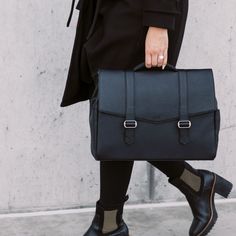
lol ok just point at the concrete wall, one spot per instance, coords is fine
(45, 160)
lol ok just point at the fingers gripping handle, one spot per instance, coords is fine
(142, 66)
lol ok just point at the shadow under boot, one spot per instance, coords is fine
(199, 187)
(108, 221)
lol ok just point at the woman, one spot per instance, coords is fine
(120, 34)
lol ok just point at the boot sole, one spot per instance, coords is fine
(222, 187)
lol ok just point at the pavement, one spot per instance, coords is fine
(144, 220)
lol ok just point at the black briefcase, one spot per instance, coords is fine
(154, 114)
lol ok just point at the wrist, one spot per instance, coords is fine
(157, 28)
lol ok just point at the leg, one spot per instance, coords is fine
(181, 169)
(114, 182)
(171, 168)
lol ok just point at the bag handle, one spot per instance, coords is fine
(141, 66)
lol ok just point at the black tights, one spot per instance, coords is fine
(115, 177)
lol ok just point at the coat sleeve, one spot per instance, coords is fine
(161, 13)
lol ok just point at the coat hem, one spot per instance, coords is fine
(73, 101)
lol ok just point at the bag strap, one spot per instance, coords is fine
(71, 13)
(130, 123)
(184, 123)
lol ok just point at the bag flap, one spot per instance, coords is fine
(156, 93)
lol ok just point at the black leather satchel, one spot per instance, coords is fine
(154, 114)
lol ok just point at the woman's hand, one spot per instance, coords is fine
(156, 45)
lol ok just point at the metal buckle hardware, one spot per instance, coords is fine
(130, 123)
(184, 124)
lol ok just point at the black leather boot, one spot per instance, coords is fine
(202, 201)
(100, 228)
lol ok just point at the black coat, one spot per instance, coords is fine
(111, 34)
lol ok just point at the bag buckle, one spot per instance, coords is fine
(130, 123)
(184, 124)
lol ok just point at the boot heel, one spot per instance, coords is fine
(223, 186)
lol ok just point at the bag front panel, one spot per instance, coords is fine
(156, 140)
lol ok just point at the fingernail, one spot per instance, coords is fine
(163, 66)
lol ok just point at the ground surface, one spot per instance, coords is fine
(164, 221)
